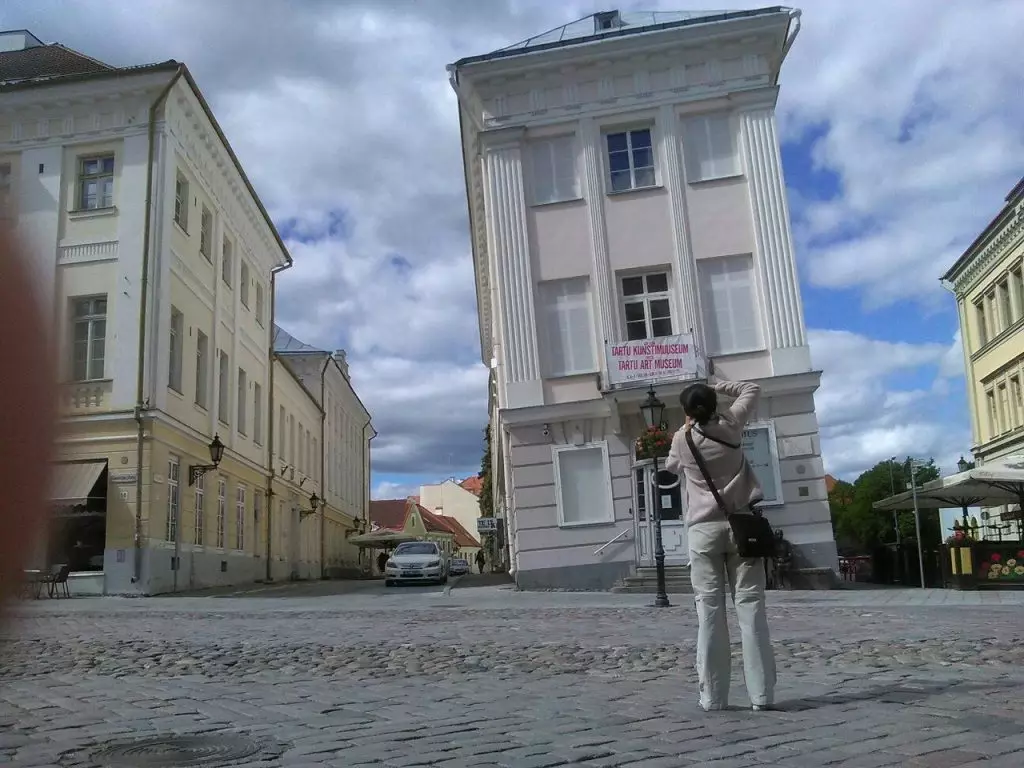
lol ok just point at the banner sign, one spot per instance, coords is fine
(668, 357)
(486, 524)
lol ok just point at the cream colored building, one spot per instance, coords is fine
(451, 501)
(630, 228)
(988, 283)
(342, 435)
(161, 261)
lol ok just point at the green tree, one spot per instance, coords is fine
(486, 482)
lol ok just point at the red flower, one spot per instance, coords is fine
(996, 557)
(1021, 553)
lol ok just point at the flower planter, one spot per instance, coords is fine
(653, 443)
(961, 562)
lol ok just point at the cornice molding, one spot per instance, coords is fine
(997, 249)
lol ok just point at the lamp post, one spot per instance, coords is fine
(653, 411)
(314, 503)
(895, 512)
(963, 465)
(914, 466)
(195, 471)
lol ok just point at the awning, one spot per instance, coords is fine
(381, 539)
(75, 482)
(992, 485)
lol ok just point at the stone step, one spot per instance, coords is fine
(645, 580)
(671, 588)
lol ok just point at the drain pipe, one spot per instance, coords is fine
(270, 421)
(323, 462)
(366, 486)
(141, 404)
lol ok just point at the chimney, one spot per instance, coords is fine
(342, 360)
(605, 21)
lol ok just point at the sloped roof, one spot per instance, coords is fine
(463, 538)
(433, 522)
(473, 484)
(389, 513)
(46, 61)
(285, 342)
(587, 29)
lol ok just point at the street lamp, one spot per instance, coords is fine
(895, 513)
(195, 471)
(314, 503)
(914, 466)
(963, 465)
(653, 411)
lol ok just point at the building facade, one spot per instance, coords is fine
(160, 262)
(342, 439)
(988, 284)
(460, 509)
(630, 228)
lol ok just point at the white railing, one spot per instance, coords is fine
(603, 547)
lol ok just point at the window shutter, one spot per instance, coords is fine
(721, 146)
(569, 327)
(564, 162)
(729, 310)
(542, 165)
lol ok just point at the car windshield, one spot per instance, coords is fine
(416, 548)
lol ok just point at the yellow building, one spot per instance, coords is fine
(988, 283)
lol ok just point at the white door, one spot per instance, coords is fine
(673, 515)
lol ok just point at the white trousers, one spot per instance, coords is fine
(714, 564)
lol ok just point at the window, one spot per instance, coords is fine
(993, 413)
(568, 325)
(300, 450)
(223, 395)
(96, 183)
(181, 202)
(292, 442)
(1017, 286)
(240, 517)
(225, 262)
(259, 304)
(729, 310)
(177, 340)
(222, 493)
(280, 432)
(1005, 305)
(710, 147)
(979, 308)
(1018, 399)
(1005, 419)
(243, 284)
(631, 160)
(206, 233)
(317, 462)
(583, 485)
(173, 474)
(202, 369)
(553, 163)
(257, 414)
(89, 337)
(647, 306)
(243, 399)
(992, 314)
(6, 185)
(200, 517)
(257, 509)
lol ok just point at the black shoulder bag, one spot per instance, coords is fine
(752, 531)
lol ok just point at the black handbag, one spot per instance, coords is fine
(752, 531)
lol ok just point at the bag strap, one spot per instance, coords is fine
(720, 441)
(703, 467)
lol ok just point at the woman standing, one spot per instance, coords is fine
(714, 558)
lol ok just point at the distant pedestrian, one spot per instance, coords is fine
(480, 559)
(382, 560)
(714, 557)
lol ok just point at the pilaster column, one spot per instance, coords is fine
(509, 254)
(683, 264)
(774, 241)
(593, 189)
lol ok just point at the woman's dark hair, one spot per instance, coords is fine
(700, 402)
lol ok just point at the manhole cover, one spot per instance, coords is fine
(211, 749)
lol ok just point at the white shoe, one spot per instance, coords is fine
(711, 707)
(761, 707)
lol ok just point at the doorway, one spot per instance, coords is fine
(673, 515)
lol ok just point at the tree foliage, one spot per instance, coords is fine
(860, 528)
(486, 482)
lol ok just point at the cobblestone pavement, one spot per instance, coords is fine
(491, 677)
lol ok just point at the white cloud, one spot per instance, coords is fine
(389, 490)
(342, 115)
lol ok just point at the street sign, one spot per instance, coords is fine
(486, 524)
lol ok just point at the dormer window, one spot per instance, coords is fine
(606, 20)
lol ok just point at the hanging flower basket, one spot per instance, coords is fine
(960, 538)
(654, 442)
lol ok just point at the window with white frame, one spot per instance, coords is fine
(710, 147)
(568, 325)
(6, 187)
(96, 182)
(223, 393)
(647, 306)
(206, 234)
(1005, 304)
(243, 400)
(583, 484)
(173, 498)
(300, 451)
(553, 166)
(281, 424)
(259, 304)
(728, 305)
(199, 522)
(222, 494)
(243, 283)
(226, 261)
(177, 340)
(1017, 286)
(983, 333)
(630, 159)
(240, 517)
(202, 369)
(181, 202)
(1017, 400)
(317, 462)
(993, 414)
(1005, 414)
(257, 413)
(89, 338)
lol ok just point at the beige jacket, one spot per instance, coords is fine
(735, 479)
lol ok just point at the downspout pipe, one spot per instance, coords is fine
(270, 420)
(366, 468)
(141, 404)
(323, 463)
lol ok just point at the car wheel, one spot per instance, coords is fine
(388, 583)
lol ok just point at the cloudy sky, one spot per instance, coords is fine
(901, 122)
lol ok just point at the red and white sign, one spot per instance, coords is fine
(668, 357)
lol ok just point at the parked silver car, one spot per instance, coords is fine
(416, 562)
(459, 566)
